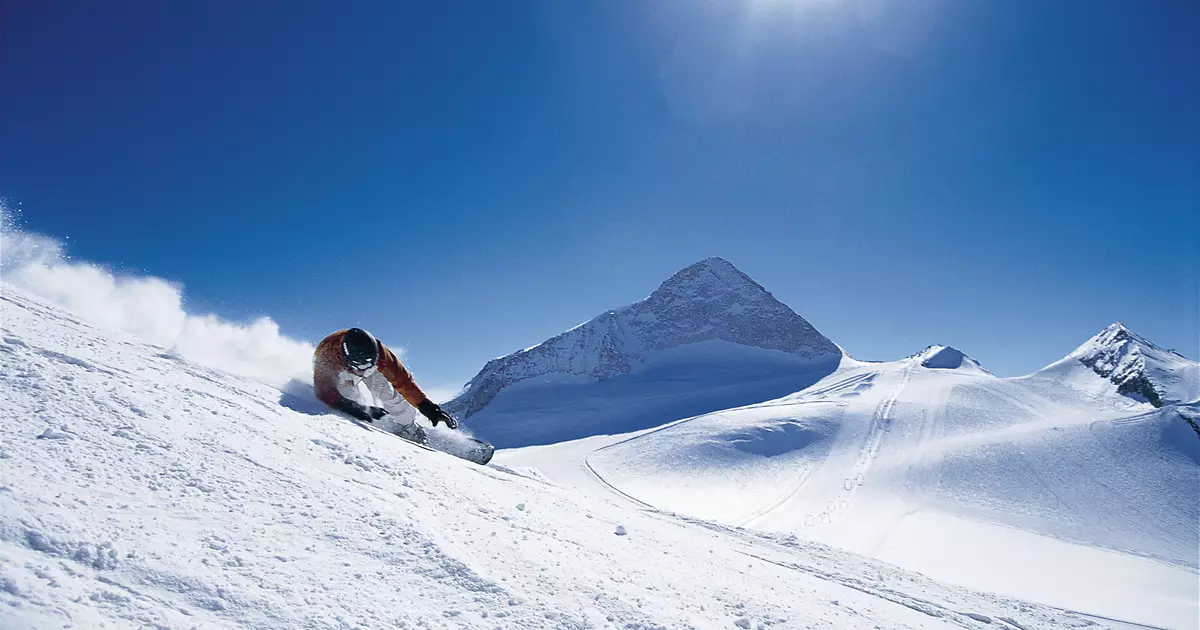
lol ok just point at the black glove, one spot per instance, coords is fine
(366, 414)
(431, 410)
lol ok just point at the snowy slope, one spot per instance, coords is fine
(708, 338)
(1083, 499)
(141, 490)
(1119, 358)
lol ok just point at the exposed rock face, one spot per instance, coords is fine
(1136, 366)
(710, 300)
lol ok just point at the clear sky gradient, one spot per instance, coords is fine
(469, 178)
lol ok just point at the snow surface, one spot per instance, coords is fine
(1032, 487)
(139, 489)
(710, 303)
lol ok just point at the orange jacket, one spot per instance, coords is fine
(328, 364)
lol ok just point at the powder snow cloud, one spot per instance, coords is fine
(149, 308)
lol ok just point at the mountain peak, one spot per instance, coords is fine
(1116, 333)
(1140, 369)
(715, 262)
(707, 301)
(940, 357)
(709, 277)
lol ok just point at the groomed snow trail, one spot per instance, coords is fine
(839, 484)
(140, 490)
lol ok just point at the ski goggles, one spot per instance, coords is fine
(360, 367)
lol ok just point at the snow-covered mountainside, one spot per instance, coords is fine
(1138, 368)
(947, 358)
(140, 490)
(1029, 486)
(708, 337)
(710, 300)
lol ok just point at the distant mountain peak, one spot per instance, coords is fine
(1117, 332)
(710, 300)
(712, 262)
(1116, 335)
(715, 265)
(709, 277)
(1139, 368)
(948, 358)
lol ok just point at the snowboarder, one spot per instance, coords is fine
(349, 359)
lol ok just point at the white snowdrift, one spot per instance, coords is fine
(140, 489)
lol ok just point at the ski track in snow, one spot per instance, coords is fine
(857, 477)
(139, 490)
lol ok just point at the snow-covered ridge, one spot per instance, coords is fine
(948, 358)
(709, 300)
(1138, 368)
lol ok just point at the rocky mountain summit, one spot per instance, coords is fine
(711, 300)
(1139, 369)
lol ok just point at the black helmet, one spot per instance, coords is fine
(360, 351)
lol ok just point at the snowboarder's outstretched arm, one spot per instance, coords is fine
(400, 378)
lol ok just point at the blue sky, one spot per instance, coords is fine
(470, 178)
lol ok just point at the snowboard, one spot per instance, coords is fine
(458, 445)
(462, 446)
